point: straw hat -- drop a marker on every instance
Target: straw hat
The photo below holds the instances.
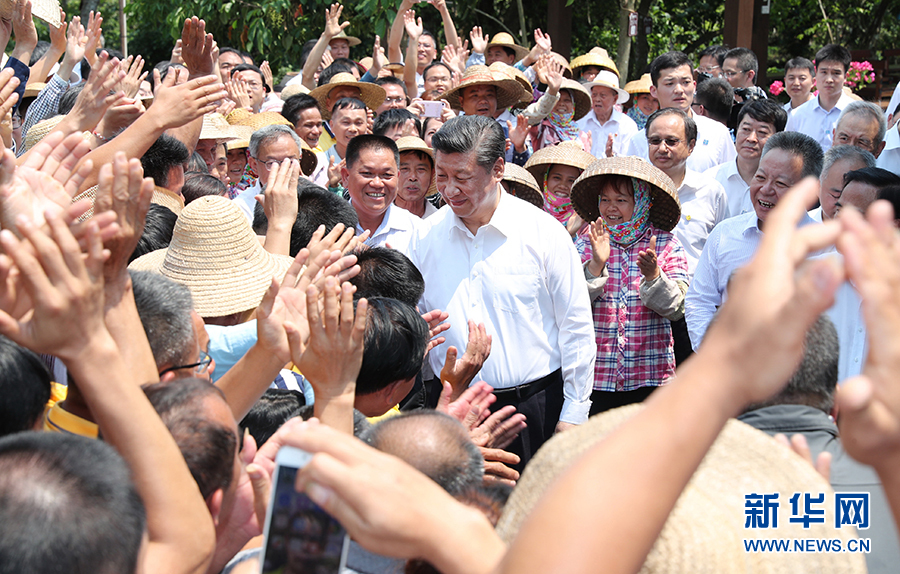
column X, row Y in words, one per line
column 596, row 57
column 705, row 531
column 32, row 89
column 166, row 198
column 343, row 36
column 580, row 96
column 46, row 10
column 567, row 71
column 396, row 68
column 261, row 120
column 293, row 90
column 641, row 86
column 665, row 209
column 412, row 143
column 216, row 127
column 242, row 138
column 568, row 153
column 371, row 94
column 366, row 62
column 522, row 184
column 505, row 40
column 39, row 130
column 517, row 75
column 509, row 91
column 216, row 255
column 609, row 80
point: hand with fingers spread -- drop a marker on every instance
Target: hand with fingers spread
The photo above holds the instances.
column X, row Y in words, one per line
column 179, row 101
column 459, row 373
column 414, row 27
column 436, row 325
column 94, row 33
column 58, row 34
column 334, row 171
column 96, row 96
column 23, row 31
column 280, row 205
column 600, row 249
column 118, row 117
column 197, row 48
column 499, row 429
column 134, row 75
column 333, row 24
column 479, row 40
column 239, row 94
column 471, row 408
column 76, row 40
column 519, row 133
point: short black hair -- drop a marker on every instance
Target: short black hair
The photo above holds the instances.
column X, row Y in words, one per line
column 834, row 53
column 272, row 410
column 347, row 104
column 24, row 387
column 718, row 52
column 874, row 176
column 667, row 61
column 435, row 64
column 690, row 126
column 67, row 100
column 393, row 81
column 800, row 63
column 164, row 307
column 394, row 348
column 196, row 164
column 39, row 50
column 67, row 504
column 228, row 50
column 717, row 96
column 165, row 153
column 158, row 228
column 800, row 145
column 369, row 141
column 747, row 60
column 200, row 185
column 764, row 110
column 466, row 134
column 389, row 273
column 297, row 104
column 341, row 65
column 250, row 68
column 392, row 118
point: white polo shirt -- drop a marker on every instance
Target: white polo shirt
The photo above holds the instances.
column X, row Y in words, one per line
column 714, row 145
column 618, row 124
column 813, row 120
column 703, row 206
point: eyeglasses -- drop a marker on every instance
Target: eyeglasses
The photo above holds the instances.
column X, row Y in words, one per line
column 199, row 367
column 708, row 69
column 670, row 142
column 273, row 162
column 395, row 100
column 732, row 73
column 254, row 85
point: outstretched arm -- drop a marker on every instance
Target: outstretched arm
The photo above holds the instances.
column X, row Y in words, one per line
column 395, row 36
column 333, row 27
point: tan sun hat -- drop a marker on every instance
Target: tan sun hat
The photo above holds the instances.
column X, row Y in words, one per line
column 46, row 10
column 413, row 143
column 581, row 97
column 567, row 71
column 242, row 138
column 608, row 80
column 396, row 68
column 353, row 41
column 517, row 75
column 32, row 89
column 166, row 198
column 216, row 127
column 568, row 153
column 596, row 57
column 216, row 255
column 705, row 530
column 522, row 184
column 641, row 86
column 371, row 94
column 665, row 209
column 293, row 90
column 505, row 40
column 366, row 62
column 509, row 91
column 39, row 130
column 261, row 120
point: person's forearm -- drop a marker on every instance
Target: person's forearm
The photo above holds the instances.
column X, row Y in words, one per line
column 41, row 69
column 466, row 544
column 449, row 27
column 314, row 60
column 278, row 238
column 409, row 70
column 248, row 379
column 134, row 142
column 336, row 412
column 22, row 54
column 395, row 36
column 188, row 134
column 125, row 326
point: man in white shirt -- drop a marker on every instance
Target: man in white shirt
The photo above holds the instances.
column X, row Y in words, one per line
column 890, row 155
column 798, row 82
column 817, row 117
column 787, row 158
column 371, row 177
column 604, row 120
column 672, row 75
column 269, row 145
column 757, row 121
column 494, row 259
column 839, row 160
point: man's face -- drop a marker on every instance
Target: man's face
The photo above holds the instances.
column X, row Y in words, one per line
column 436, row 83
column 830, row 78
column 675, row 88
column 237, row 161
column 394, row 98
column 347, row 124
column 309, row 126
column 498, row 54
column 603, row 99
column 858, row 130
column 669, row 149
column 709, row 65
column 737, row 77
column 858, row 195
column 479, row 101
column 340, row 48
column 426, row 50
column 647, row 103
column 340, row 92
column 227, row 61
column 798, row 82
column 407, row 128
column 751, row 136
column 372, row 182
column 471, row 190
column 778, row 171
column 415, row 176
column 831, row 185
column 207, row 150
column 255, row 89
column 278, row 150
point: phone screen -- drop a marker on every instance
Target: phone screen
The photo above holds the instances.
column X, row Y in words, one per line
column 300, row 536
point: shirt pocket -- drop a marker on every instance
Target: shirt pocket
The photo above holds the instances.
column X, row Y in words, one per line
column 514, row 289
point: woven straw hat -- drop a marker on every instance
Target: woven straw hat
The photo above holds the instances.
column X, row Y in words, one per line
column 705, row 531
column 522, row 184
column 216, row 255
column 580, row 96
column 293, row 90
column 166, row 198
column 39, row 130
column 366, row 62
column 505, row 40
column 46, row 10
column 565, row 153
column 509, row 91
column 412, row 143
column 517, row 75
column 567, row 71
column 665, row 210
column 242, row 138
column 371, row 94
column 32, row 89
column 216, row 127
column 641, row 86
column 596, row 57
column 608, row 80
column 396, row 68
column 351, row 39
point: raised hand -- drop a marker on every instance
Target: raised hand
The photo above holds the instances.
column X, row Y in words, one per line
column 599, row 236
column 237, row 91
column 178, row 102
column 280, row 205
column 460, row 372
column 436, row 325
column 479, row 40
column 499, row 429
column 58, row 34
column 543, row 41
column 647, row 261
column 8, row 96
column 76, row 40
column 24, row 31
column 94, row 32
column 134, row 75
column 97, row 95
column 518, row 133
column 197, row 48
column 414, row 27
column 333, row 24
column 266, row 69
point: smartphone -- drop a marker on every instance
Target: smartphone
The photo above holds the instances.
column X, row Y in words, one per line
column 432, row 109
column 299, row 536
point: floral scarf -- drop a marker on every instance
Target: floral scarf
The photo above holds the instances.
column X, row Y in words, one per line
column 628, row 232
column 248, row 180
column 638, row 116
column 559, row 207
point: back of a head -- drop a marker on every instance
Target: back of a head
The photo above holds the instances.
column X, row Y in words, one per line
column 891, row 194
column 764, row 110
column 297, row 104
column 717, row 96
column 388, row 273
column 800, row 145
column 846, row 152
column 834, row 53
column 746, row 60
column 667, row 61
column 434, row 443
column 467, row 134
column 67, row 504
column 395, row 340
column 369, row 142
column 392, row 118
column 871, row 113
column 165, row 153
column 164, row 307
column 272, row 410
column 24, row 388
column 158, row 228
column 873, row 176
column 200, row 185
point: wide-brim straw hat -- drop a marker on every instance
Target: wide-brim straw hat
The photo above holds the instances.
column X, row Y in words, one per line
column 505, row 40
column 354, row 41
column 242, row 138
column 293, row 90
column 308, row 159
column 39, row 130
column 32, row 89
column 216, row 127
column 216, row 255
column 581, row 97
column 509, row 91
column 166, row 198
column 522, row 184
column 665, row 210
column 568, row 153
column 413, row 143
column 596, row 57
column 608, row 80
column 517, row 75
column 567, row 70
column 371, row 94
column 396, row 68
column 640, row 86
column 46, row 10
column 705, row 530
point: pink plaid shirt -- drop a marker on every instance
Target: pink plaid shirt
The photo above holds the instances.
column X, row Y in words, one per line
column 634, row 344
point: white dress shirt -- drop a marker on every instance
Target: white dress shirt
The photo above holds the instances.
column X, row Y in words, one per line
column 890, row 155
column 397, row 228
column 736, row 189
column 619, row 125
column 246, row 199
column 714, row 145
column 811, row 119
column 846, row 314
column 703, row 206
column 521, row 276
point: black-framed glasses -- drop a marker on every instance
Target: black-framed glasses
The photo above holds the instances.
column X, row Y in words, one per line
column 199, row 367
column 270, row 165
column 670, row 142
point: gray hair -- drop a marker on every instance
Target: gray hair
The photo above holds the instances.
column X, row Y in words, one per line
column 164, row 307
column 801, row 145
column 466, row 134
column 874, row 113
column 841, row 152
column 268, row 134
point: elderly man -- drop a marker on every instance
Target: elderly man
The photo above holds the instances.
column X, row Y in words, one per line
column 604, row 121
column 494, row 259
column 861, row 124
column 838, row 161
column 269, row 146
column 787, row 158
column 817, row 117
column 672, row 75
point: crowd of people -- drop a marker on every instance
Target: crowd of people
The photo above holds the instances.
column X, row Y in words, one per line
column 430, row 268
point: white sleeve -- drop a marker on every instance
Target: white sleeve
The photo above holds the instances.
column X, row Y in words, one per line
column 703, row 297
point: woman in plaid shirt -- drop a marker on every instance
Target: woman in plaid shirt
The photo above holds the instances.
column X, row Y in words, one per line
column 637, row 276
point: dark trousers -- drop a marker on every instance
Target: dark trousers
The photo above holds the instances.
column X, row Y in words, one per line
column 683, row 348
column 602, row 401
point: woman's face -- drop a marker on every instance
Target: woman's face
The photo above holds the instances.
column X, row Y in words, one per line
column 237, row 160
column 561, row 178
column 565, row 105
column 432, row 125
column 647, row 103
column 616, row 201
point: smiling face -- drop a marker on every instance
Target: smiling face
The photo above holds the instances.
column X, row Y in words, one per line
column 751, row 136
column 498, row 54
column 237, row 161
column 560, row 179
column 479, row 100
column 778, row 171
column 647, row 103
column 426, row 51
column 437, row 81
column 309, row 126
column 472, row 191
column 347, row 124
column 372, row 183
column 415, row 176
column 798, row 82
column 565, row 105
column 394, row 98
column 616, row 201
column 603, row 99
column 675, row 88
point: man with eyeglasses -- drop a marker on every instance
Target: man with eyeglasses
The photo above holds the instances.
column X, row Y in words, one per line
column 394, row 94
column 269, row 145
column 710, row 62
column 252, row 79
column 740, row 67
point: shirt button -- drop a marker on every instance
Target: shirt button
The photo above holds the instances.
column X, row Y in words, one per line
column 688, row 217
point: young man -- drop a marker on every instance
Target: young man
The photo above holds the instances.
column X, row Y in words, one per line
column 740, row 67
column 798, row 82
column 711, row 61
column 253, row 80
column 817, row 117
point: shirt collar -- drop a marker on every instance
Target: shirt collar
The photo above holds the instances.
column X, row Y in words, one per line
column 892, row 139
column 502, row 220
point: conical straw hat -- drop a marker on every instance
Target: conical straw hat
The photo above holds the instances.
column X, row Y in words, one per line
column 509, row 91
column 641, row 86
column 522, row 184
column 596, row 57
column 568, row 153
column 517, row 75
column 216, row 127
column 580, row 96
